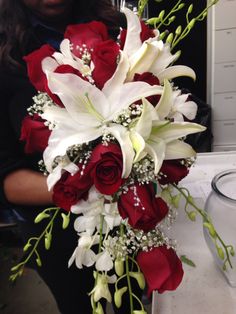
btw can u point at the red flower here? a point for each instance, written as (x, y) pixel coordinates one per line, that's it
(35, 134)
(107, 164)
(37, 76)
(104, 57)
(146, 33)
(173, 171)
(34, 66)
(151, 80)
(142, 208)
(88, 34)
(162, 269)
(69, 190)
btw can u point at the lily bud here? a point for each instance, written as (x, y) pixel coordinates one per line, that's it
(118, 296)
(140, 312)
(119, 267)
(139, 277)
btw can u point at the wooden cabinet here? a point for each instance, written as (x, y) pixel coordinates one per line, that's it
(221, 73)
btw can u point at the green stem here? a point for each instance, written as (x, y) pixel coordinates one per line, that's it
(99, 251)
(187, 29)
(21, 265)
(206, 218)
(174, 9)
(129, 285)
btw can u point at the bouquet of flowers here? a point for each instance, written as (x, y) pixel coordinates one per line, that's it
(112, 126)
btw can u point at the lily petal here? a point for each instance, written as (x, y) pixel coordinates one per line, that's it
(176, 71)
(178, 150)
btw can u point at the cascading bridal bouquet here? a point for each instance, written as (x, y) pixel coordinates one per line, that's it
(112, 125)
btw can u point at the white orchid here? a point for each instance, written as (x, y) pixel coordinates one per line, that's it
(101, 289)
(83, 255)
(104, 261)
(182, 107)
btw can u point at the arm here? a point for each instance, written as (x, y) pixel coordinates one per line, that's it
(27, 187)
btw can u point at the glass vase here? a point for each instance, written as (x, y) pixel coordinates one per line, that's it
(221, 206)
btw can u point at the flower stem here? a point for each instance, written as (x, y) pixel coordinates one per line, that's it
(19, 267)
(129, 285)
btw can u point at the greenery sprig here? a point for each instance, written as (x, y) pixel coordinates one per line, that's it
(223, 250)
(33, 243)
(165, 19)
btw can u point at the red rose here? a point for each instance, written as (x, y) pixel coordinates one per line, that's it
(69, 190)
(35, 134)
(173, 171)
(142, 208)
(162, 269)
(34, 66)
(107, 164)
(104, 57)
(151, 80)
(146, 33)
(88, 34)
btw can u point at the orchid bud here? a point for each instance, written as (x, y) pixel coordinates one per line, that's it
(66, 220)
(140, 312)
(192, 215)
(40, 217)
(181, 6)
(210, 228)
(192, 23)
(118, 296)
(170, 38)
(139, 277)
(39, 262)
(190, 9)
(175, 200)
(47, 241)
(178, 30)
(27, 246)
(220, 253)
(232, 252)
(119, 267)
(99, 309)
(161, 14)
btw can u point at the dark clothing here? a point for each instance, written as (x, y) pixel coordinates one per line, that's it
(70, 286)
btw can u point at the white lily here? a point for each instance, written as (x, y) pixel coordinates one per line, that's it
(160, 138)
(83, 255)
(89, 112)
(150, 56)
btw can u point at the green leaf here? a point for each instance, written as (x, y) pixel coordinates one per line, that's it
(187, 261)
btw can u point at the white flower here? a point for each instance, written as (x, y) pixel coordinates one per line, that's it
(104, 261)
(182, 107)
(111, 215)
(89, 112)
(83, 255)
(150, 56)
(101, 290)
